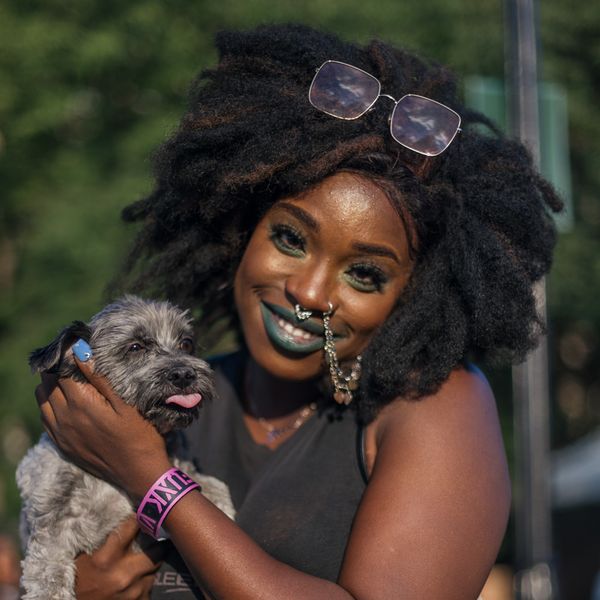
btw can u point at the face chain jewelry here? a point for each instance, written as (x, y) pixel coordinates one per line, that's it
(343, 385)
(301, 313)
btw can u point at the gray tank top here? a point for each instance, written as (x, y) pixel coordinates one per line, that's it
(297, 501)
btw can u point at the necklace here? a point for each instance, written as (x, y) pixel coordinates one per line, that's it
(274, 433)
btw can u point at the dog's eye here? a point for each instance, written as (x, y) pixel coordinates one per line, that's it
(187, 346)
(135, 347)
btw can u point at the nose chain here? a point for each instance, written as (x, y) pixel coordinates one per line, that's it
(343, 385)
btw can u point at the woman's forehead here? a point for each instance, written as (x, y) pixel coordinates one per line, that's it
(347, 205)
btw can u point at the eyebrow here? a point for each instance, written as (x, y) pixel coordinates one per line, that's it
(310, 221)
(301, 215)
(376, 250)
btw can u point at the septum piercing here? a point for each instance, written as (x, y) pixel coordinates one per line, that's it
(301, 313)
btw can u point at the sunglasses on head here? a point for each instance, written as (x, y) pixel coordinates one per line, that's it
(417, 123)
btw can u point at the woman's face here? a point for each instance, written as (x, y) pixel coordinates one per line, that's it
(341, 242)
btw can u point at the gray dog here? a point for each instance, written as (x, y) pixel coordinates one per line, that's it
(144, 349)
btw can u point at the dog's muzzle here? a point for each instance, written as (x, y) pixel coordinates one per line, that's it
(182, 377)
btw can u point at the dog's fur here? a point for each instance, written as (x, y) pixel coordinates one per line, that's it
(138, 346)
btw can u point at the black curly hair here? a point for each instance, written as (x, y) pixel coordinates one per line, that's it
(249, 137)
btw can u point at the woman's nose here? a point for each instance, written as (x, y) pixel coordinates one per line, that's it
(312, 287)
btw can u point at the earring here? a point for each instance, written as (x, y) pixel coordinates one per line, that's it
(301, 313)
(343, 385)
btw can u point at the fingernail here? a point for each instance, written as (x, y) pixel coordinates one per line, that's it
(82, 350)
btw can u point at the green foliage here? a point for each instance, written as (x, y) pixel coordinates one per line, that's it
(89, 88)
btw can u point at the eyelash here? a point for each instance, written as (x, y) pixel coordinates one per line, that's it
(376, 277)
(278, 234)
(290, 241)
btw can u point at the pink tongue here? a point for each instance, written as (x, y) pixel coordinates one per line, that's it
(188, 401)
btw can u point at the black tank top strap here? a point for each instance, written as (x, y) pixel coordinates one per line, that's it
(361, 453)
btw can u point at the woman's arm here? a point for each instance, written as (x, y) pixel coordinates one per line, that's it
(435, 511)
(430, 523)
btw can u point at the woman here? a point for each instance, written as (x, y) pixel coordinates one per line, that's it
(363, 249)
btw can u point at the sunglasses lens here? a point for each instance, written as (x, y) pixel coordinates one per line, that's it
(343, 91)
(424, 125)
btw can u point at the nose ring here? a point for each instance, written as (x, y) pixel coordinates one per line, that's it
(301, 313)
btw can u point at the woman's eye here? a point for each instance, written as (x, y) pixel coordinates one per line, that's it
(288, 240)
(366, 278)
(135, 347)
(187, 346)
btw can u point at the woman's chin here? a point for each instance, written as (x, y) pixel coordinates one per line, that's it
(283, 364)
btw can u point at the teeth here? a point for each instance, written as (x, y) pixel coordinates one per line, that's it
(294, 331)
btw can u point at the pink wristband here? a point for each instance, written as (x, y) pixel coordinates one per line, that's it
(162, 496)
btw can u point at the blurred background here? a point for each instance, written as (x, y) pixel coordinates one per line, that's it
(88, 89)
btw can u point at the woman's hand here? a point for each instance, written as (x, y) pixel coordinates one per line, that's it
(115, 571)
(101, 433)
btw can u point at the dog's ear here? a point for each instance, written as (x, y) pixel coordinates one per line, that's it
(50, 357)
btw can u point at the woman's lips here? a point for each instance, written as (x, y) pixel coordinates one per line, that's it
(283, 331)
(289, 315)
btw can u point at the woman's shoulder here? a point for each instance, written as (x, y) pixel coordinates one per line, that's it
(464, 399)
(458, 422)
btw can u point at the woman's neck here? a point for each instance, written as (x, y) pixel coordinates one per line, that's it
(270, 397)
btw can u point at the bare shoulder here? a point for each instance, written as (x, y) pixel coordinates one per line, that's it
(438, 495)
(464, 405)
(454, 432)
(463, 409)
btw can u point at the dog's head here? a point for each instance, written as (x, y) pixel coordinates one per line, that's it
(145, 350)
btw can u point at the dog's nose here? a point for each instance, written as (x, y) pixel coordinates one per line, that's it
(181, 377)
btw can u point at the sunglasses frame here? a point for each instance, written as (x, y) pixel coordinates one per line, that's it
(396, 103)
